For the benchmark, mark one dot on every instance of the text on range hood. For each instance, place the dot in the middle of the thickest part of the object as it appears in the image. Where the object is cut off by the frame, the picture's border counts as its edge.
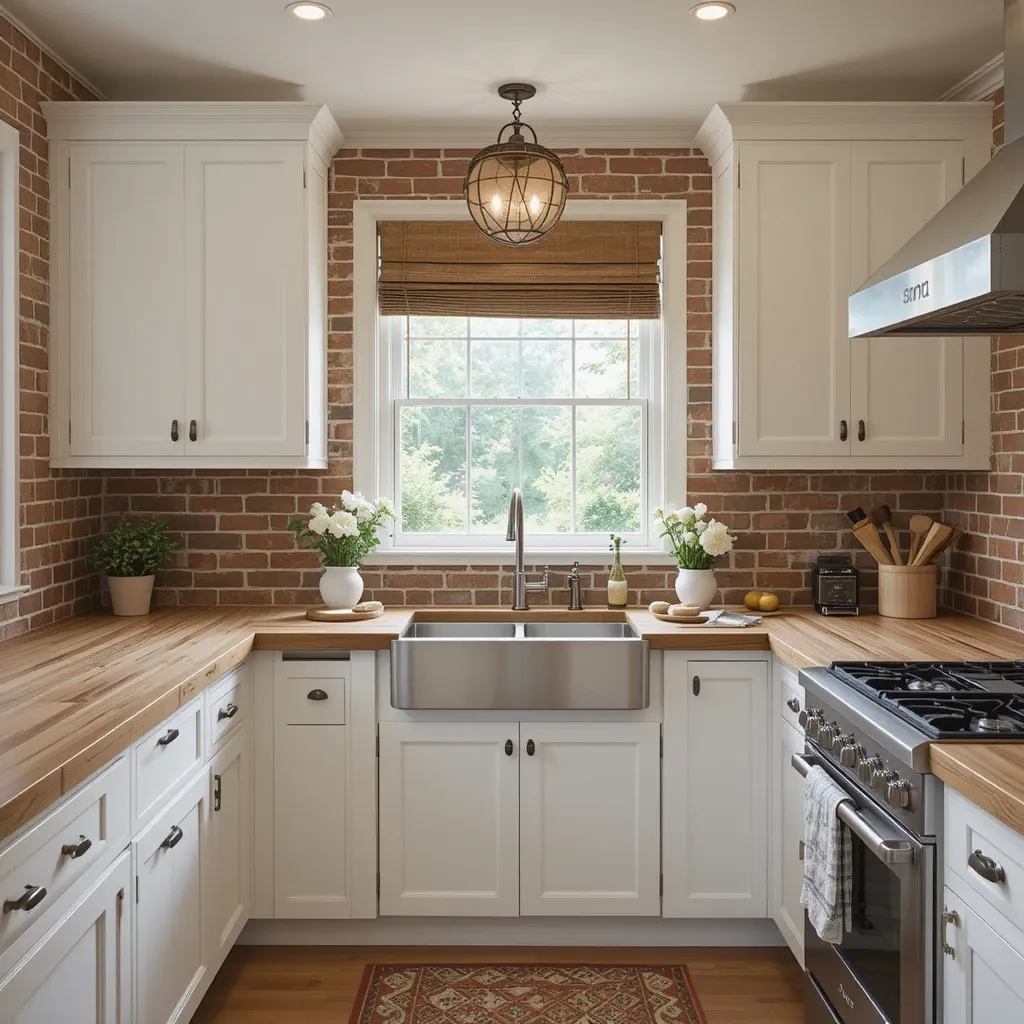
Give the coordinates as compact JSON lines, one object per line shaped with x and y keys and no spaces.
{"x":963,"y":272}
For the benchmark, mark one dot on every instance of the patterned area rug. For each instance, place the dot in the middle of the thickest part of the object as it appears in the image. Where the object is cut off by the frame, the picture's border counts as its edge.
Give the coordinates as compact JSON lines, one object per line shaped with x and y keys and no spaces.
{"x":525,"y":994}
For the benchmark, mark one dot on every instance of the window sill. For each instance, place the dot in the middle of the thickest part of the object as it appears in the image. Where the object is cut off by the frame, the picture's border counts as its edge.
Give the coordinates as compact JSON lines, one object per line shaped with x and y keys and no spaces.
{"x":9,"y":594}
{"x":506,"y":556}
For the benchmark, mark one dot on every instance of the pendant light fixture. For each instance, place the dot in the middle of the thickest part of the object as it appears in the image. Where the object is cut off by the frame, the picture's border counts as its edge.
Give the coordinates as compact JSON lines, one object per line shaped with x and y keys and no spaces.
{"x":516,"y":189}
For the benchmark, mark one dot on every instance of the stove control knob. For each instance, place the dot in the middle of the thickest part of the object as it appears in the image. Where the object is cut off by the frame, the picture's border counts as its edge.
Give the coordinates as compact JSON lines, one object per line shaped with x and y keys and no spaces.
{"x":813,"y":723}
{"x":868,"y":766}
{"x":897,"y":793}
{"x":852,"y":754}
{"x":825,"y":735}
{"x":881,"y":777}
{"x":840,"y":741}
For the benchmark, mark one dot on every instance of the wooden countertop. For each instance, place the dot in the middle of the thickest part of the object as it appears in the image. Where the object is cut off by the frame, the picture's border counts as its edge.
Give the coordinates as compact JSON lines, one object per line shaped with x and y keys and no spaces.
{"x":75,"y":694}
{"x":990,"y":775}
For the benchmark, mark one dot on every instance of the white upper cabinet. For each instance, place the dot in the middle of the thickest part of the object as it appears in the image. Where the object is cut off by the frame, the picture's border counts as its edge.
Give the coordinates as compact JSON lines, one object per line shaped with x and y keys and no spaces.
{"x":189,"y":284}
{"x":809,"y":200}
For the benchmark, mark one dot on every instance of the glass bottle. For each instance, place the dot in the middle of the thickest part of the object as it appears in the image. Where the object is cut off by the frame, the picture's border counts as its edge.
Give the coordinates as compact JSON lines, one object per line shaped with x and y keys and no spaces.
{"x":618,"y":588}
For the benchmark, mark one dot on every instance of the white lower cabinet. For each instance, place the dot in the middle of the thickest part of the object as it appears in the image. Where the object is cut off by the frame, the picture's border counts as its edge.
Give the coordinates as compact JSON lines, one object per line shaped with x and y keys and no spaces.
{"x":789,"y":821}
{"x":228,"y":882}
{"x":715,"y":788}
{"x":449,"y":819}
{"x":588,"y":818}
{"x":170,"y":953}
{"x":80,"y":971}
{"x":983,"y":980}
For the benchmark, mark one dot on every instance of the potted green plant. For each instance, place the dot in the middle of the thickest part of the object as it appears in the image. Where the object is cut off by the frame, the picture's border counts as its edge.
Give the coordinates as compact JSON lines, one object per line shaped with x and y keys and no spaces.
{"x":131,"y":553}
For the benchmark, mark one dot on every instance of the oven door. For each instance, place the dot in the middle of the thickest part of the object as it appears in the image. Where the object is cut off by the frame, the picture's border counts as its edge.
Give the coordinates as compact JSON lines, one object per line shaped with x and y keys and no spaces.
{"x":882,"y":971}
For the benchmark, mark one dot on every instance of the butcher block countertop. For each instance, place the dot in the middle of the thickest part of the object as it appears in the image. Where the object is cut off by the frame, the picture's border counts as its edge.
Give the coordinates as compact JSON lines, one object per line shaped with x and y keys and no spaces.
{"x":990,"y":775}
{"x":74,"y":695}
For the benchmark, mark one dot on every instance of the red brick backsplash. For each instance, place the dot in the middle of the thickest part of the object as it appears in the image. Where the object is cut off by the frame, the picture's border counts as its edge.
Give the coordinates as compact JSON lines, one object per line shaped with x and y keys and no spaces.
{"x":237,"y":550}
{"x":59,"y":509}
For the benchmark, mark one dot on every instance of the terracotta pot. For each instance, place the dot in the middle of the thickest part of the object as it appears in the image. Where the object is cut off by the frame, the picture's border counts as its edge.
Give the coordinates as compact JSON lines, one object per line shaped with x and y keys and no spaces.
{"x":131,"y":595}
{"x":341,"y":586}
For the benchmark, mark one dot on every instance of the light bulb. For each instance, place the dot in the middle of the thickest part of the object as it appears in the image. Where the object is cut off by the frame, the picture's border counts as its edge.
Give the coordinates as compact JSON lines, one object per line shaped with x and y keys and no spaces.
{"x":712,"y":11}
{"x":534,"y":205}
{"x":496,"y":204}
{"x":307,"y":10}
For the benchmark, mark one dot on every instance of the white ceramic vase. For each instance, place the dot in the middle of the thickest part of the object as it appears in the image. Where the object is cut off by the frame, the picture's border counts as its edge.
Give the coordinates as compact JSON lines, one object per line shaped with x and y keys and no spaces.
{"x":130,"y":595}
{"x":341,"y":586}
{"x":696,"y":586}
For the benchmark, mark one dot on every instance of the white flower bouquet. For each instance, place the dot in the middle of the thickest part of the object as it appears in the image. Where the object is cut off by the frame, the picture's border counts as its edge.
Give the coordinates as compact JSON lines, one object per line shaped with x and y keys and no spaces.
{"x":695,"y":542}
{"x":346,"y":533}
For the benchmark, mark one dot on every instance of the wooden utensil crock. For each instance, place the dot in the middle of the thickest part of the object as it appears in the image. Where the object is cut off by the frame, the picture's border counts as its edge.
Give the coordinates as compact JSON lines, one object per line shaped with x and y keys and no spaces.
{"x":908,"y":591}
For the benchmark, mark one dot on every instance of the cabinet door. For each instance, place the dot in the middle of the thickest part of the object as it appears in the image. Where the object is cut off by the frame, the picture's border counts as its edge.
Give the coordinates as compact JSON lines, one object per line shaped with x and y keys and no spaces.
{"x":449,"y":819}
{"x":170,"y":961}
{"x":589,"y":830}
{"x":788,"y":828}
{"x":310,"y":807}
{"x":983,"y":980}
{"x":126,"y":299}
{"x":228,"y":882}
{"x":246,"y":313}
{"x":80,"y":973}
{"x":793,"y":348}
{"x":908,"y":392}
{"x":715,"y":788}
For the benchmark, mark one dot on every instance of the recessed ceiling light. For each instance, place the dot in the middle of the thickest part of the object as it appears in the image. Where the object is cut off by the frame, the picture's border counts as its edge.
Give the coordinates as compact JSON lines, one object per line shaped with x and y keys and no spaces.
{"x":712,"y":11}
{"x":306,"y":10}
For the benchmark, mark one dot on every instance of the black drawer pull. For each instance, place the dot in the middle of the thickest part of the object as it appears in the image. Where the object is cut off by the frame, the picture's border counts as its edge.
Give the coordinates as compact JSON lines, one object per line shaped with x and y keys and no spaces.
{"x":169,"y":737}
{"x":696,"y":686}
{"x":861,"y":431}
{"x":986,"y":867}
{"x":530,"y":748}
{"x":509,"y":747}
{"x":842,"y":430}
{"x":174,"y":430}
{"x":76,"y":850}
{"x":192,"y":432}
{"x":316,"y":695}
{"x":28,"y":900}
{"x":173,"y":838}
{"x":229,"y":712}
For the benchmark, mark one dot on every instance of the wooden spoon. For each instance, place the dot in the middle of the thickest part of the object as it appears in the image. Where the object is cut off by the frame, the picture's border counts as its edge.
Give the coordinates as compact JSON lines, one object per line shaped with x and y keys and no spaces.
{"x":867,"y":534}
{"x":919,"y":526}
{"x":937,"y":536}
{"x":883,"y":514}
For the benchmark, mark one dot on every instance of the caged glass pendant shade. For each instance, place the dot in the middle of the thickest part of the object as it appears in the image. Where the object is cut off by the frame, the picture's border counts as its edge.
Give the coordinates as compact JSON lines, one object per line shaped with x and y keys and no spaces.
{"x":516,"y":190}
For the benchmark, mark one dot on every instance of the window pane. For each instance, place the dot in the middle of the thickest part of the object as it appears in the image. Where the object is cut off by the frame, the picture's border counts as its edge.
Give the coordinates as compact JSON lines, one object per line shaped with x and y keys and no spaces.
{"x":437,"y":368}
{"x":437,"y":327}
{"x":494,"y":450}
{"x":546,"y":460}
{"x":493,"y":327}
{"x":495,"y":369}
{"x":601,"y":328}
{"x":547,"y":369}
{"x":601,"y":369}
{"x":608,"y":461}
{"x":433,"y":469}
{"x":547,"y":327}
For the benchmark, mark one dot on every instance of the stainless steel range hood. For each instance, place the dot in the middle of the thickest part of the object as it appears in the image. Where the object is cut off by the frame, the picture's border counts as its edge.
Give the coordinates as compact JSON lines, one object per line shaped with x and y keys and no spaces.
{"x":963,"y":272}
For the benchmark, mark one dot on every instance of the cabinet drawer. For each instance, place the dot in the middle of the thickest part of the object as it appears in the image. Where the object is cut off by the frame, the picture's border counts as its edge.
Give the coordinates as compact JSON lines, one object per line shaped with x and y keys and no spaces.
{"x":986,"y":855}
{"x":227,"y":707}
{"x":163,"y":758}
{"x":87,"y":828}
{"x":310,"y":694}
{"x":790,"y":694}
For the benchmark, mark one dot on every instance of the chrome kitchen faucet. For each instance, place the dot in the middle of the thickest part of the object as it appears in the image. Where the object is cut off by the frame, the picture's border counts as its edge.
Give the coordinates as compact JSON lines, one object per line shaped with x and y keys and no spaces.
{"x":520,"y":588}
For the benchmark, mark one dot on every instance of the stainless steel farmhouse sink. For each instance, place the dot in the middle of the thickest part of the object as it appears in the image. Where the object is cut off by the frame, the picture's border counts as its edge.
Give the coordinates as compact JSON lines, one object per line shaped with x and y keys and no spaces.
{"x":519,"y":666}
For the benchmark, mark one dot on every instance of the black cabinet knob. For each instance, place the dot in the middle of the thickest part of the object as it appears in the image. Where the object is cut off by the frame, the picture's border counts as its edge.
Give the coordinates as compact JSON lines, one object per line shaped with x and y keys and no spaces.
{"x":509,"y":747}
{"x":193,"y":432}
{"x":842,"y":430}
{"x":861,"y":430}
{"x":76,"y":850}
{"x":174,"y":430}
{"x":229,"y":712}
{"x":530,"y":748}
{"x":169,"y":737}
{"x":28,"y":900}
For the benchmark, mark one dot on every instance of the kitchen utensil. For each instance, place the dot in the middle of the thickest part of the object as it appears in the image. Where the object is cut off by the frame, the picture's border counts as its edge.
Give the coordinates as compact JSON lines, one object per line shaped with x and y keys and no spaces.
{"x":919,"y":526}
{"x":958,"y":532}
{"x":882,"y":514}
{"x":936,"y":536}
{"x":856,"y":515}
{"x":868,"y":536}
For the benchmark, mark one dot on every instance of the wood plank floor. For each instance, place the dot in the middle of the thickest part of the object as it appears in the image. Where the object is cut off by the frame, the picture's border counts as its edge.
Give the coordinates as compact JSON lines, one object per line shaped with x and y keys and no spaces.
{"x":317,"y":984}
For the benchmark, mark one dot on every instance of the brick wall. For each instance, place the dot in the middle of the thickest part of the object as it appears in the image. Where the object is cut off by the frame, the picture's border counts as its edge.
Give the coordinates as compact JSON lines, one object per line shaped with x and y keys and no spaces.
{"x":986,"y":575}
{"x":59,"y":509}
{"x":237,"y":551}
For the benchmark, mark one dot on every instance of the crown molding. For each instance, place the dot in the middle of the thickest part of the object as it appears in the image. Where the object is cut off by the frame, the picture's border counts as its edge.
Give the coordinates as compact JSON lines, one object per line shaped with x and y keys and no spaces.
{"x":427,"y":134}
{"x":979,"y":84}
{"x":29,"y":34}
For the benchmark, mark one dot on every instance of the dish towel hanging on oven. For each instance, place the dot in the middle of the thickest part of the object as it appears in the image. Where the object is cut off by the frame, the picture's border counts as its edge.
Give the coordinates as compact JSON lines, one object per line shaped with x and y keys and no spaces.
{"x":827,"y":892}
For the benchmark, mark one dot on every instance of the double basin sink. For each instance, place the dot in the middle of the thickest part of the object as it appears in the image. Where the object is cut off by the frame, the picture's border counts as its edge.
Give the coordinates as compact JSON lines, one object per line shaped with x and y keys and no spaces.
{"x":519,"y":666}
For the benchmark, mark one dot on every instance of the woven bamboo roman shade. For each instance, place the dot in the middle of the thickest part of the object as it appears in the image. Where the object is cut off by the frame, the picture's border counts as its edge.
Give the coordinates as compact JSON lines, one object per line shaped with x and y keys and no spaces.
{"x":583,"y":269}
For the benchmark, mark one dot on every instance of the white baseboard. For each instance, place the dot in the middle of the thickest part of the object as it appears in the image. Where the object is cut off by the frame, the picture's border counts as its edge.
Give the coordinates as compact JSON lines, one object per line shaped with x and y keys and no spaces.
{"x":555,"y":931}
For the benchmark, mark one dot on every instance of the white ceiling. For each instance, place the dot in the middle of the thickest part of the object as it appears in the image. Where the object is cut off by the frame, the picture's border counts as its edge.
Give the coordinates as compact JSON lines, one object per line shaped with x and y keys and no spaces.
{"x":594,"y":61}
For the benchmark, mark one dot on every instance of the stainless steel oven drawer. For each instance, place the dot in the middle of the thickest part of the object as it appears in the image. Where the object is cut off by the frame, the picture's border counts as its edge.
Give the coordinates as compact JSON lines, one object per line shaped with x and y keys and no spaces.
{"x":816,"y":1007}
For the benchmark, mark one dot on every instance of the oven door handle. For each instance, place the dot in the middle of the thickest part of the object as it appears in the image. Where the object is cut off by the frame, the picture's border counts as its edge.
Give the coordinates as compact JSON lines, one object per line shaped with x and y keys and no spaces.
{"x":888,"y":851}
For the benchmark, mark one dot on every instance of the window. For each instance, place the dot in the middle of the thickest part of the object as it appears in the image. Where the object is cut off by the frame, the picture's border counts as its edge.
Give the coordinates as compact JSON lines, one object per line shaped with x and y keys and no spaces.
{"x":555,"y":406}
{"x":452,"y":411}
{"x":9,"y":383}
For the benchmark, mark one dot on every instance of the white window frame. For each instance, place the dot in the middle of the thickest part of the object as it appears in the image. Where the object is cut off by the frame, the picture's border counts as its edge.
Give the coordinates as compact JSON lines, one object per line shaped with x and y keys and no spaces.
{"x":10,"y":523}
{"x":374,"y":443}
